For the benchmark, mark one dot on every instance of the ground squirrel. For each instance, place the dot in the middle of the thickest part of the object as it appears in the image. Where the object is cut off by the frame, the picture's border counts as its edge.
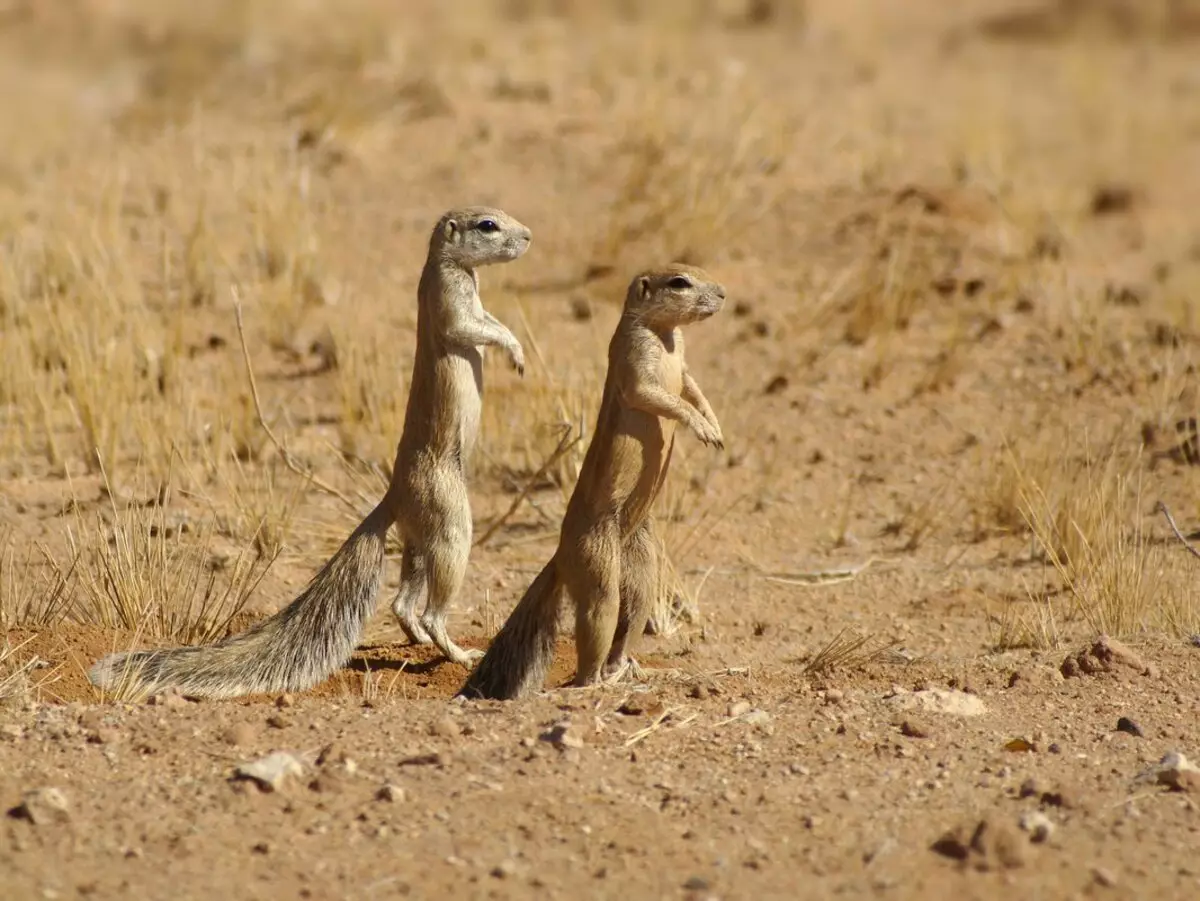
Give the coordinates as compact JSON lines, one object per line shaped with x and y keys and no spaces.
{"x":427,"y":499}
{"x":608,"y":555}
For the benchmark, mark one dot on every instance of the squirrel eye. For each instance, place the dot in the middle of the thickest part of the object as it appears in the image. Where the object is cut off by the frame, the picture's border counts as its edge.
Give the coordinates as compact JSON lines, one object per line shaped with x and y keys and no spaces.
{"x":487,"y":225}
{"x":679,"y":283}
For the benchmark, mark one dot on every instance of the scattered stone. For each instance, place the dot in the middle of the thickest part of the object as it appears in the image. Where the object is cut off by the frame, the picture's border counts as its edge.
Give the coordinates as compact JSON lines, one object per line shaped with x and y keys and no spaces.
{"x":1125,"y":724}
{"x":446,"y":727}
{"x":391,"y":793}
{"x":332,"y":753}
{"x":1179,"y":773}
{"x":285,"y":700}
{"x":239,"y":734}
{"x":834,"y":696}
{"x":941,"y":700}
{"x":738,"y":708}
{"x":696,"y":884}
{"x":42,"y":806}
{"x":1112,"y":198}
{"x":757,"y":717}
{"x":644,"y":705}
{"x":506,"y":869}
{"x":171,"y":698}
{"x":1104,"y":655}
{"x":432,"y":759}
{"x":276,"y":721}
{"x":1037,"y":824}
{"x":1104,"y":877}
{"x":1031,"y":788}
{"x":104,"y":735}
{"x":914,"y":729}
{"x":989,"y":845}
{"x":271,"y":772}
{"x":563,"y":736}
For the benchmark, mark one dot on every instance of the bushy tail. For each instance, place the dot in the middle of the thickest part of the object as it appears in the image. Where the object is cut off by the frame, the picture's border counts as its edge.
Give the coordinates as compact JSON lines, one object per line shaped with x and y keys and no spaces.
{"x":521,"y":653}
{"x":293,"y":650}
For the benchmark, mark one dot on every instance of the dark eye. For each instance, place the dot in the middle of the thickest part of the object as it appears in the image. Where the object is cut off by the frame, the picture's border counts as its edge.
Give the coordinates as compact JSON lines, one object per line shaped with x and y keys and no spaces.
{"x":679,"y":283}
{"x":487,"y":225}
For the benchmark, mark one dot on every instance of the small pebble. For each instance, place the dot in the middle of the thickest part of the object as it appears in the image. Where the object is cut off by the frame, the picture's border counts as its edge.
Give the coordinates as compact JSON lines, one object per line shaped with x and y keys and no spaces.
{"x":42,"y":806}
{"x":271,"y":772}
{"x":1037,"y":824}
{"x":239,"y":734}
{"x":446,"y":727}
{"x":1125,"y":724}
{"x":393,"y":794}
{"x":562,"y":736}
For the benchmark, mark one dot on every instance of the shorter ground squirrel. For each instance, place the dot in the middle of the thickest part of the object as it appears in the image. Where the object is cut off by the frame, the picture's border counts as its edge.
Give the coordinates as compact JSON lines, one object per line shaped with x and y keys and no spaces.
{"x":608,"y":556}
{"x":427,"y":499}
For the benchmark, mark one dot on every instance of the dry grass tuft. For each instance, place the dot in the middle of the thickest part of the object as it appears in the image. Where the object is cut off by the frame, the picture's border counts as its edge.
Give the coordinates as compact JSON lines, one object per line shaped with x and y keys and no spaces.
{"x":144,"y":569}
{"x":846,"y":650}
{"x":1086,"y":513}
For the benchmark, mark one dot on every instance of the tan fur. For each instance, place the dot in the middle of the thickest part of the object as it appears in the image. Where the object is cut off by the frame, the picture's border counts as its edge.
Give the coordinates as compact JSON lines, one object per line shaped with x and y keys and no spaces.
{"x":608,"y":556}
{"x":427,"y":499}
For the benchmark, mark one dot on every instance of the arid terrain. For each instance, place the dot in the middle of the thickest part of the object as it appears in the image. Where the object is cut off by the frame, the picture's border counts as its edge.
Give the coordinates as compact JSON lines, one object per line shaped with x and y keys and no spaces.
{"x":928,"y":633}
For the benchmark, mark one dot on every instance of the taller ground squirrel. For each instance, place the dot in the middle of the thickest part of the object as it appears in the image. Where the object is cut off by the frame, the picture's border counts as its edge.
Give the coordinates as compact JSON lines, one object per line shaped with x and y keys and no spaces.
{"x":427,"y":499}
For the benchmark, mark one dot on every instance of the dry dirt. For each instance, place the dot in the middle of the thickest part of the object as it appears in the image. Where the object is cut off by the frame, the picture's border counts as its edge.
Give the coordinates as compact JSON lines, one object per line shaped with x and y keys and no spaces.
{"x":963,"y":262}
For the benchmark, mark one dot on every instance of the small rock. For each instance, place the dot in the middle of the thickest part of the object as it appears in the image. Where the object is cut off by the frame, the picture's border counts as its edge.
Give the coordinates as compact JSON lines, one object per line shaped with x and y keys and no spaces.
{"x":506,"y":869}
{"x":446,"y":727}
{"x":171,"y":698}
{"x":11,"y":732}
{"x":273,"y":771}
{"x":563,"y":736}
{"x":285,"y":700}
{"x":941,"y":700}
{"x":332,"y":753}
{"x":1030,"y":788}
{"x":696,"y":884}
{"x":1179,"y":773}
{"x":988,"y":845}
{"x":393,"y":794}
{"x":239,"y":734}
{"x":834,"y":696}
{"x":1104,"y":655}
{"x":914,"y":729}
{"x":1112,"y":198}
{"x":643,"y":705}
{"x":757,"y":717}
{"x":104,"y":735}
{"x":1104,"y":877}
{"x":43,"y":806}
{"x":739,"y":708}
{"x":277,"y":721}
{"x":1125,"y":724}
{"x":1037,"y":824}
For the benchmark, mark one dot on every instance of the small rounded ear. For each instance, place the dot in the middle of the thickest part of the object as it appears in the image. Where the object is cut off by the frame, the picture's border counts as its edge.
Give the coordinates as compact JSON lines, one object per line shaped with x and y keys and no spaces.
{"x":450,"y":230}
{"x":644,"y":286}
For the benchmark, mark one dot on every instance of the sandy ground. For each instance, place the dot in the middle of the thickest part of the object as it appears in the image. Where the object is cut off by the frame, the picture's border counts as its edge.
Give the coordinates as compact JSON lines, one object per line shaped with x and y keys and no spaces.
{"x":961,"y":252}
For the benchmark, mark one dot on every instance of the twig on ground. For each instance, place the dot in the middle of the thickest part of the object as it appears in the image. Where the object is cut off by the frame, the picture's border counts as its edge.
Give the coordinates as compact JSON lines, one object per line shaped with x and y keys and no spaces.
{"x":1174,"y":528}
{"x":565,"y":443}
{"x":288,"y":459}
